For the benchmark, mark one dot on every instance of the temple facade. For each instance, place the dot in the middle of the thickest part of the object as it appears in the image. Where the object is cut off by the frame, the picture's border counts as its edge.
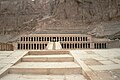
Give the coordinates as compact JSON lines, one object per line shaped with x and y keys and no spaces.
{"x":67,"y":41}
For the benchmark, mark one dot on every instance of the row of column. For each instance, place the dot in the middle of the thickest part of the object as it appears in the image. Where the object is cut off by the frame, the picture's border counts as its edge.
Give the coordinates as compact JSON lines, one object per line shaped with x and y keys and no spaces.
{"x":31,"y":46}
{"x":75,"y":45}
{"x":6,"y":47}
{"x":100,"y":45}
{"x":54,"y":39}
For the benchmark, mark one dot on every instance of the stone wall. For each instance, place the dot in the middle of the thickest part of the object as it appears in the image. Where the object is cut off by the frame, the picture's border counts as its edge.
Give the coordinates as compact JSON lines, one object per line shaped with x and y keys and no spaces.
{"x":114,"y":44}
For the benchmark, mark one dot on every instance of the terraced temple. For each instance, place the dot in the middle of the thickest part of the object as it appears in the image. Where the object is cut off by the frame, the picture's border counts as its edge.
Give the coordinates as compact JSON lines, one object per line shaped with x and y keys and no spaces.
{"x":67,"y":41}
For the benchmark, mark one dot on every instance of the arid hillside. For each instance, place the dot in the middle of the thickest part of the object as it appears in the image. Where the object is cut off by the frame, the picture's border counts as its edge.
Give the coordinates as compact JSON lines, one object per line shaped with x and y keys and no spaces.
{"x":100,"y":18}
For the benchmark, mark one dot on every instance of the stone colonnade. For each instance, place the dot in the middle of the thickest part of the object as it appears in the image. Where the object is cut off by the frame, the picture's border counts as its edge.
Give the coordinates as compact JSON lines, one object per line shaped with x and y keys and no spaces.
{"x":68,"y":41}
{"x":54,"y":39}
{"x":6,"y":47}
{"x":30,"y":46}
{"x":100,"y":45}
{"x":75,"y":45}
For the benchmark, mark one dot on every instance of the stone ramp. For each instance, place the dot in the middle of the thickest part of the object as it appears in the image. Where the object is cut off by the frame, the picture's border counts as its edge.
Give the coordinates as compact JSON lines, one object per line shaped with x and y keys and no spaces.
{"x":48,"y":52}
{"x":46,"y":68}
{"x":54,"y":46}
{"x":47,"y":62}
{"x":42,"y":77}
{"x":45,"y":65}
{"x":48,"y":58}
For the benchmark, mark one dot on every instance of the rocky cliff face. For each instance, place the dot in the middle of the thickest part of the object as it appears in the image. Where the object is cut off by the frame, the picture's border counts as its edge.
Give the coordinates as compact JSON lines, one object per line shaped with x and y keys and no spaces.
{"x":95,"y":17}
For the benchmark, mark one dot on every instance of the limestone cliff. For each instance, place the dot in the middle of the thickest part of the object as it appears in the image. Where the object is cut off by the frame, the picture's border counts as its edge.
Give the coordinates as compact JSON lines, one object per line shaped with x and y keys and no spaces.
{"x":95,"y":17}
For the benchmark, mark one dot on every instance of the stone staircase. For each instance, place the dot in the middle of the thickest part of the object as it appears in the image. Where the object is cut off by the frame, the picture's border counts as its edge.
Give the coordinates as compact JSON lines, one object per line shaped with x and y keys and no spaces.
{"x":54,"y":63}
{"x":47,"y":64}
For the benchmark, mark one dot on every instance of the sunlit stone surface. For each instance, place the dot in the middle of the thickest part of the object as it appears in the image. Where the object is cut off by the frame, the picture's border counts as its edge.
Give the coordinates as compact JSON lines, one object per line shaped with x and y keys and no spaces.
{"x":101,"y":64}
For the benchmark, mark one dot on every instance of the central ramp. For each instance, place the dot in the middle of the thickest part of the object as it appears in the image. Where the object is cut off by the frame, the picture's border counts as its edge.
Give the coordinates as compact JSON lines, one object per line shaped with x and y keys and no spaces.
{"x":58,"y":62}
{"x":46,"y":65}
{"x":46,"y":68}
{"x":48,"y":58}
{"x":54,"y":46}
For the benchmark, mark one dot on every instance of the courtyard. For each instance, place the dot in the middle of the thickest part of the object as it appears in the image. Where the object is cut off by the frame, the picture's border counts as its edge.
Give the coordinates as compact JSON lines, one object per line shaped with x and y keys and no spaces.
{"x":95,"y":64}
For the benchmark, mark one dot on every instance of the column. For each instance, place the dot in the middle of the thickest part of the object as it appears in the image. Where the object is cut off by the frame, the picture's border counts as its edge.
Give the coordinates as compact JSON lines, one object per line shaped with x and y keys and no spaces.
{"x":45,"y":38}
{"x":100,"y":45}
{"x":86,"y":45}
{"x":50,"y":38}
{"x":40,"y":46}
{"x":29,"y":39}
{"x":26,"y":38}
{"x":18,"y":46}
{"x":86,"y":39}
{"x":76,"y":45}
{"x":0,"y":46}
{"x":43,"y":46}
{"x":24,"y":46}
{"x":73,"y":39}
{"x":76,"y":39}
{"x":41,"y":38}
{"x":81,"y":39}
{"x":80,"y":45}
{"x":105,"y":45}
{"x":65,"y":39}
{"x":21,"y":39}
{"x":32,"y":46}
{"x":97,"y":46}
{"x":37,"y":39}
{"x":70,"y":38}
{"x":29,"y":46}
{"x":33,"y":38}
{"x":57,"y":39}
{"x":62,"y":45}
{"x":83,"y":45}
{"x":70,"y":45}
{"x":60,"y":38}
{"x":67,"y":46}
{"x":37,"y":46}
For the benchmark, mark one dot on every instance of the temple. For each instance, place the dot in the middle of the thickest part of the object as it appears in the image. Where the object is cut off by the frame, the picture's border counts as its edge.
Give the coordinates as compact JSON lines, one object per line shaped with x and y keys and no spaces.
{"x":67,"y":41}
